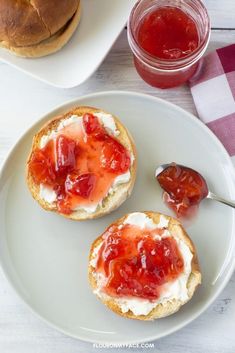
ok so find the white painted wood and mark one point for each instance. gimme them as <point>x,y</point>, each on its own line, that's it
<point>22,101</point>
<point>222,13</point>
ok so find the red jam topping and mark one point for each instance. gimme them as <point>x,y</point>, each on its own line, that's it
<point>80,164</point>
<point>184,189</point>
<point>136,262</point>
<point>168,33</point>
<point>65,154</point>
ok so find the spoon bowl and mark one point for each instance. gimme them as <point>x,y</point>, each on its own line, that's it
<point>209,195</point>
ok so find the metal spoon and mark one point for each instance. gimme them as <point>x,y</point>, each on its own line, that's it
<point>210,194</point>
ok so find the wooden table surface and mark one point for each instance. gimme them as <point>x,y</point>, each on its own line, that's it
<point>23,101</point>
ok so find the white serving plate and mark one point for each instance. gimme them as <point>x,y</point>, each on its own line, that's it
<point>101,22</point>
<point>45,256</point>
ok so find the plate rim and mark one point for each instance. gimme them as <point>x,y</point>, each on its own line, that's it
<point>58,110</point>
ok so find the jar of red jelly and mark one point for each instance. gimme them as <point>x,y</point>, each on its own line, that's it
<point>167,38</point>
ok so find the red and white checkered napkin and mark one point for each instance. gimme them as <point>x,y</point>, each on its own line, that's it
<point>213,91</point>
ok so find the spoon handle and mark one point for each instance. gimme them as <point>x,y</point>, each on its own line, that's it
<point>220,199</point>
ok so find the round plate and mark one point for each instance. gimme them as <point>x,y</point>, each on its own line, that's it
<point>45,256</point>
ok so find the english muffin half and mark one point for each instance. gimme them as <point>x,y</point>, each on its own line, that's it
<point>82,164</point>
<point>144,266</point>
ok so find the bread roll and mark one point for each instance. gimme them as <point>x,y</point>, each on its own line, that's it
<point>38,27</point>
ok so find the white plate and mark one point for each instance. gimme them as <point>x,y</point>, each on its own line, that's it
<point>45,256</point>
<point>101,23</point>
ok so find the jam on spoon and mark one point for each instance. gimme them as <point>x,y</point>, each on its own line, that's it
<point>184,189</point>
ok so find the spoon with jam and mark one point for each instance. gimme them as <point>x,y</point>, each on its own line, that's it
<point>184,189</point>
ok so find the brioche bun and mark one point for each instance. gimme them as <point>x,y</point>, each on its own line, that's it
<point>39,27</point>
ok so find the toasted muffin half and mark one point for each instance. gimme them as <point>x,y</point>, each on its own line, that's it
<point>173,294</point>
<point>119,190</point>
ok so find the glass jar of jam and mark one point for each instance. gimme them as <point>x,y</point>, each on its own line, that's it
<point>167,38</point>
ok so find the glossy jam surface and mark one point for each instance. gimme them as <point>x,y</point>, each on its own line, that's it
<point>168,33</point>
<point>80,164</point>
<point>184,189</point>
<point>137,262</point>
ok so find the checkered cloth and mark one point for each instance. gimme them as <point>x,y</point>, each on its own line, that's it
<point>213,91</point>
